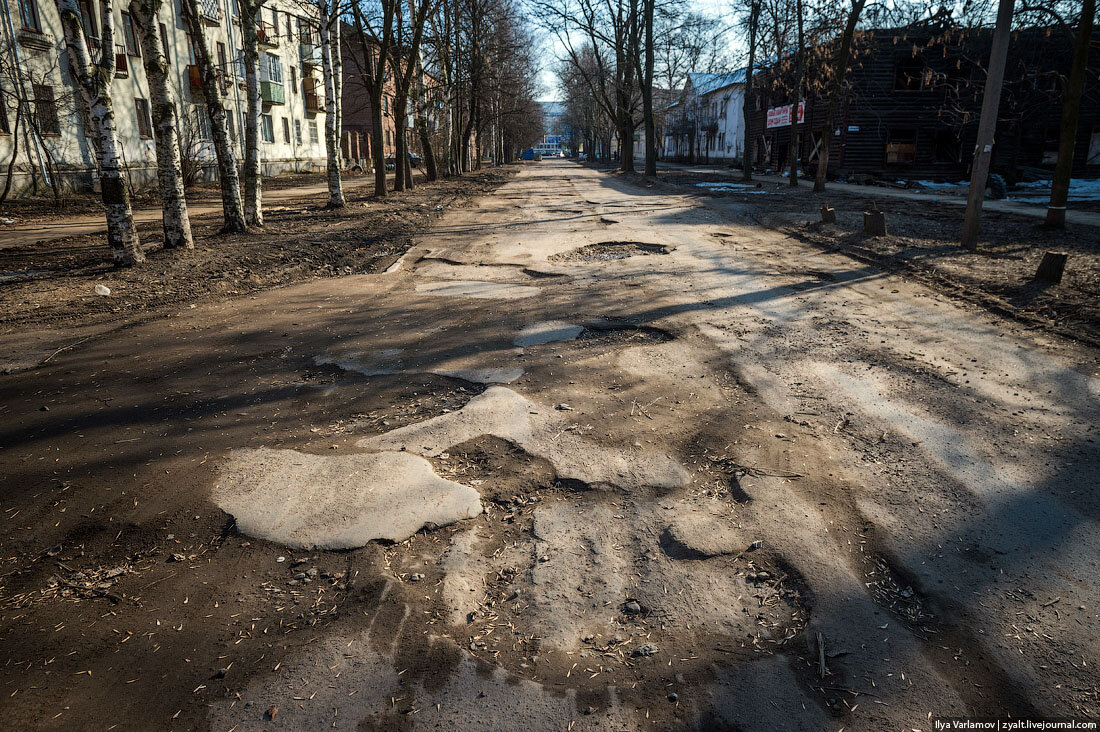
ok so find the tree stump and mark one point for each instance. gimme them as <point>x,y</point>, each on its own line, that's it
<point>874,221</point>
<point>828,214</point>
<point>1052,267</point>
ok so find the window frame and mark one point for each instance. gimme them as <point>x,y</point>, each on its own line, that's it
<point>143,114</point>
<point>164,43</point>
<point>286,131</point>
<point>87,19</point>
<point>891,141</point>
<point>267,128</point>
<point>129,36</point>
<point>50,105</point>
<point>30,6</point>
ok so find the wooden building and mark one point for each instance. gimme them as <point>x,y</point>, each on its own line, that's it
<point>912,101</point>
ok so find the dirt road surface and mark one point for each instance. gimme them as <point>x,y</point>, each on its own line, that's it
<point>588,457</point>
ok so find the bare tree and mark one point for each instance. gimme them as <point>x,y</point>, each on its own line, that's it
<point>404,58</point>
<point>753,28</point>
<point>251,28</point>
<point>1071,107</point>
<point>94,80</point>
<point>229,177</point>
<point>332,69</point>
<point>374,28</point>
<point>175,221</point>
<point>836,92</point>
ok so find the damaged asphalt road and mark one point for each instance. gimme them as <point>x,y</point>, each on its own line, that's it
<point>590,456</point>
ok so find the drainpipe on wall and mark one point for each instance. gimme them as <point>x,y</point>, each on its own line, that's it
<point>29,130</point>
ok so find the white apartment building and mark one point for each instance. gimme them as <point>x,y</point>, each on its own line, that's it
<point>707,123</point>
<point>34,72</point>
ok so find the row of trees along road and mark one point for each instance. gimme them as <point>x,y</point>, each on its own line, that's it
<point>617,52</point>
<point>467,63</point>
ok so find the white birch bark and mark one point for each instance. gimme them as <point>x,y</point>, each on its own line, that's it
<point>94,81</point>
<point>229,176</point>
<point>253,204</point>
<point>331,69</point>
<point>175,221</point>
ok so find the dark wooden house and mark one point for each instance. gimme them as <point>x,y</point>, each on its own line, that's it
<point>912,100</point>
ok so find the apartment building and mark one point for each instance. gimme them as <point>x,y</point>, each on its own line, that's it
<point>707,122</point>
<point>34,74</point>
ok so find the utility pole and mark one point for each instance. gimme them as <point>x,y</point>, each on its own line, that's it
<point>987,126</point>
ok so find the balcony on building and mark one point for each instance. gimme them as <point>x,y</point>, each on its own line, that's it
<point>313,103</point>
<point>267,34</point>
<point>272,92</point>
<point>311,55</point>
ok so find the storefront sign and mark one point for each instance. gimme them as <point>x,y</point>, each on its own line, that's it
<point>781,116</point>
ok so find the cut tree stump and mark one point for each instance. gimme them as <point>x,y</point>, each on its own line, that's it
<point>874,221</point>
<point>1052,267</point>
<point>828,214</point>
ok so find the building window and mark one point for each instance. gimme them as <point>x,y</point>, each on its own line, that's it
<point>274,69</point>
<point>948,149</point>
<point>129,35</point>
<point>293,79</point>
<point>313,131</point>
<point>164,43</point>
<point>298,131</point>
<point>87,19</point>
<point>267,128</point>
<point>28,15</point>
<point>145,125</point>
<point>286,130</point>
<point>909,74</point>
<point>45,110</point>
<point>901,147</point>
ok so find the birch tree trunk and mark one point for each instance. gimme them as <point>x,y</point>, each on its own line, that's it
<point>253,204</point>
<point>175,221</point>
<point>422,125</point>
<point>94,80</point>
<point>228,175</point>
<point>331,69</point>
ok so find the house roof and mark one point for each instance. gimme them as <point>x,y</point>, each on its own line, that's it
<point>704,83</point>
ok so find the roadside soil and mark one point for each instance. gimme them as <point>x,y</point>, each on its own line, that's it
<point>51,283</point>
<point>43,207</point>
<point>922,242</point>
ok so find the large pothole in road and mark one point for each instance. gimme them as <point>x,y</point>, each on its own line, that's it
<point>578,590</point>
<point>606,251</point>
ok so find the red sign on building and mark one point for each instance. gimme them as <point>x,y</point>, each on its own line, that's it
<point>781,116</point>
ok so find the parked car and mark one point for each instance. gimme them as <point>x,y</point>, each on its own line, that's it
<point>414,160</point>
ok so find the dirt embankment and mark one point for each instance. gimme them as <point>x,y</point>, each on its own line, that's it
<point>53,282</point>
<point>923,242</point>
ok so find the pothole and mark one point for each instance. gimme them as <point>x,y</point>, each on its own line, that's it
<point>609,250</point>
<point>392,401</point>
<point>503,472</point>
<point>621,332</point>
<point>574,590</point>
